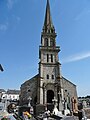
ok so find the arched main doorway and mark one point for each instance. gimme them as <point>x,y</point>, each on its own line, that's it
<point>50,96</point>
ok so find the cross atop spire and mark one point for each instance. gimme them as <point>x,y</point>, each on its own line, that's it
<point>48,25</point>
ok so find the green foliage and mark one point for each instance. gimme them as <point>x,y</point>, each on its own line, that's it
<point>5,119</point>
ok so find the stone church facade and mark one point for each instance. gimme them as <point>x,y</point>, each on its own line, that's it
<point>49,84</point>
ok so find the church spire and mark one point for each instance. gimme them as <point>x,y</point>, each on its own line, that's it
<point>48,25</point>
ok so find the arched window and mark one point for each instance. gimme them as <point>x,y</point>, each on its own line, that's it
<point>52,42</point>
<point>51,57</point>
<point>47,57</point>
<point>52,76</point>
<point>46,42</point>
<point>47,76</point>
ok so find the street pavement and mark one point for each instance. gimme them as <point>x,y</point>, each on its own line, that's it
<point>65,118</point>
<point>70,118</point>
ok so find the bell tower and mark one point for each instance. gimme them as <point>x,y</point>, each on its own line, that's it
<point>49,66</point>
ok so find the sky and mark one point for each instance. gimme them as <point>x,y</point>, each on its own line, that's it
<point>21,23</point>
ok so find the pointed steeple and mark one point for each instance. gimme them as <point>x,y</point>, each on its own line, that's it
<point>48,25</point>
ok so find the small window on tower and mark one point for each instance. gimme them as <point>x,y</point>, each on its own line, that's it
<point>46,42</point>
<point>51,57</point>
<point>47,76</point>
<point>47,57</point>
<point>52,76</point>
<point>52,43</point>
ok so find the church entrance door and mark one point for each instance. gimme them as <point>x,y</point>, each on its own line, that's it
<point>50,96</point>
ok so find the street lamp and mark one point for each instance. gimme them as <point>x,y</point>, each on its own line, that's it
<point>59,92</point>
<point>54,101</point>
<point>30,106</point>
<point>29,98</point>
<point>29,103</point>
<point>65,99</point>
<point>59,100</point>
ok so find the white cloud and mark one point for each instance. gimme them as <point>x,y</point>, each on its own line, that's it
<point>3,27</point>
<point>76,57</point>
<point>10,3</point>
<point>18,18</point>
<point>83,13</point>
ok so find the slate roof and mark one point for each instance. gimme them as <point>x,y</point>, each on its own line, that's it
<point>2,90</point>
<point>13,91</point>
